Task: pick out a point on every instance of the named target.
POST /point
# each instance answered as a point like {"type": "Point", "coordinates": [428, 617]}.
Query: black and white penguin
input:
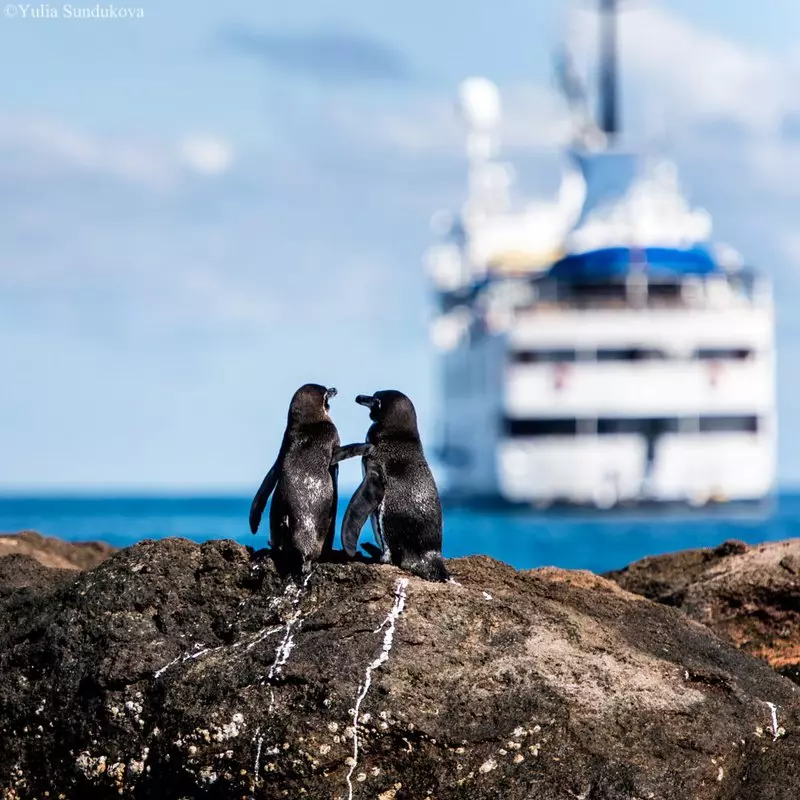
{"type": "Point", "coordinates": [398, 492]}
{"type": "Point", "coordinates": [304, 477]}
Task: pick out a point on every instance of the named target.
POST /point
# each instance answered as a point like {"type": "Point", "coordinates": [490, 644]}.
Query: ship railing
{"type": "Point", "coordinates": [638, 290]}
{"type": "Point", "coordinates": [741, 289]}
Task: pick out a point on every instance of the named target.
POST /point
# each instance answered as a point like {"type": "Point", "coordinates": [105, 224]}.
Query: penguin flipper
{"type": "Point", "coordinates": [350, 451]}
{"type": "Point", "coordinates": [365, 500]}
{"type": "Point", "coordinates": [327, 547]}
{"type": "Point", "coordinates": [262, 495]}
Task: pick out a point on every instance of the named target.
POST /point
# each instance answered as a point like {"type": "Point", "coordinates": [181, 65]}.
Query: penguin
{"type": "Point", "coordinates": [398, 491]}
{"type": "Point", "coordinates": [304, 477]}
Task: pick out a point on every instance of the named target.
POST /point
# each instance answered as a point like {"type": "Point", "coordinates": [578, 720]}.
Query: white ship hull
{"type": "Point", "coordinates": [588, 407]}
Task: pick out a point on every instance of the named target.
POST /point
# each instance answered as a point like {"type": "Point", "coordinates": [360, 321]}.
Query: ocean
{"type": "Point", "coordinates": [525, 539]}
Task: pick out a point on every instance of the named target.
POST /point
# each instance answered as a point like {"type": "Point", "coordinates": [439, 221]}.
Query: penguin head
{"type": "Point", "coordinates": [310, 403]}
{"type": "Point", "coordinates": [391, 410]}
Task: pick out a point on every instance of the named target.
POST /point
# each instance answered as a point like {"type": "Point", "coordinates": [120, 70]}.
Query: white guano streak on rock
{"type": "Point", "coordinates": [186, 657]}
{"type": "Point", "coordinates": [260, 636]}
{"type": "Point", "coordinates": [258, 750]}
{"type": "Point", "coordinates": [284, 649]}
{"type": "Point", "coordinates": [291, 626]}
{"type": "Point", "coordinates": [294, 622]}
{"type": "Point", "coordinates": [774, 712]}
{"type": "Point", "coordinates": [388, 640]}
{"type": "Point", "coordinates": [160, 672]}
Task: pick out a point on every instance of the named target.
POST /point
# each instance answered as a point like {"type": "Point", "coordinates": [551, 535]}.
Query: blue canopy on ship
{"type": "Point", "coordinates": [617, 262]}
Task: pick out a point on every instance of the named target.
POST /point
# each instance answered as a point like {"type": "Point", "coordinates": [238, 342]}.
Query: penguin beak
{"type": "Point", "coordinates": [372, 403]}
{"type": "Point", "coordinates": [330, 393]}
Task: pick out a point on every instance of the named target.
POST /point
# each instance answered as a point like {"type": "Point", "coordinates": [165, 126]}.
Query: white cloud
{"type": "Point", "coordinates": [694, 75]}
{"type": "Point", "coordinates": [206, 154]}
{"type": "Point", "coordinates": [705, 75]}
{"type": "Point", "coordinates": [426, 123]}
{"type": "Point", "coordinates": [52, 145]}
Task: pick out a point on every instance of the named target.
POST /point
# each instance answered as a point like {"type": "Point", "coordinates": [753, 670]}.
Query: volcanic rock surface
{"type": "Point", "coordinates": [178, 670]}
{"type": "Point", "coordinates": [52, 552]}
{"type": "Point", "coordinates": [749, 596]}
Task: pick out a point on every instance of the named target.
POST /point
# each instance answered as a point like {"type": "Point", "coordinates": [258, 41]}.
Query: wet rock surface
{"type": "Point", "coordinates": [749, 596]}
{"type": "Point", "coordinates": [52, 552]}
{"type": "Point", "coordinates": [182, 670]}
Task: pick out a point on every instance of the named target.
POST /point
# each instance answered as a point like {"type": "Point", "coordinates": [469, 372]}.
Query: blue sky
{"type": "Point", "coordinates": [206, 207]}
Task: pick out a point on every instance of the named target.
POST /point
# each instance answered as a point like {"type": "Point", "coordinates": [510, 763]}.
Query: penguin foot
{"type": "Point", "coordinates": [430, 567]}
{"type": "Point", "coordinates": [381, 556]}
{"type": "Point", "coordinates": [289, 562]}
{"type": "Point", "coordinates": [375, 552]}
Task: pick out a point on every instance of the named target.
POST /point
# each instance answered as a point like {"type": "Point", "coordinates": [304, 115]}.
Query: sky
{"type": "Point", "coordinates": [206, 205]}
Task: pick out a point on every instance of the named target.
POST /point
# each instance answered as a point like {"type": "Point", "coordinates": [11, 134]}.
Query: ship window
{"type": "Point", "coordinates": [630, 354]}
{"type": "Point", "coordinates": [647, 426]}
{"type": "Point", "coordinates": [664, 290]}
{"type": "Point", "coordinates": [597, 291]}
{"type": "Point", "coordinates": [543, 356]}
{"type": "Point", "coordinates": [747, 424]}
{"type": "Point", "coordinates": [722, 353]}
{"type": "Point", "coordinates": [541, 427]}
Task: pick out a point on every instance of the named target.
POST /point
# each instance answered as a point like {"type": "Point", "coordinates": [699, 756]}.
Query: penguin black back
{"type": "Point", "coordinates": [304, 479]}
{"type": "Point", "coordinates": [398, 491]}
{"type": "Point", "coordinates": [303, 507]}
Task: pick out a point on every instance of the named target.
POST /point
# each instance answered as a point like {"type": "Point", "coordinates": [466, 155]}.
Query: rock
{"type": "Point", "coordinates": [178, 670]}
{"type": "Point", "coordinates": [749, 596]}
{"type": "Point", "coordinates": [20, 572]}
{"type": "Point", "coordinates": [51, 552]}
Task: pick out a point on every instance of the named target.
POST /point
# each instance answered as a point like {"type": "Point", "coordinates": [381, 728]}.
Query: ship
{"type": "Point", "coordinates": [599, 350]}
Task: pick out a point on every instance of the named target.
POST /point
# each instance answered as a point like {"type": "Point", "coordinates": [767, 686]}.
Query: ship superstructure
{"type": "Point", "coordinates": [599, 349]}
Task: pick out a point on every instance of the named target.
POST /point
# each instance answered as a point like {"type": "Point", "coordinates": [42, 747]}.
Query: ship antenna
{"type": "Point", "coordinates": [609, 122]}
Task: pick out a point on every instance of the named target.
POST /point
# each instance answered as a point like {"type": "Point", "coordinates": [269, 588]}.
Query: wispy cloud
{"type": "Point", "coordinates": [42, 147]}
{"type": "Point", "coordinates": [695, 75]}
{"type": "Point", "coordinates": [325, 56]}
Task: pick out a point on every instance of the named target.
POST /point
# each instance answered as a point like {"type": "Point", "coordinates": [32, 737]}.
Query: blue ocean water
{"type": "Point", "coordinates": [524, 539]}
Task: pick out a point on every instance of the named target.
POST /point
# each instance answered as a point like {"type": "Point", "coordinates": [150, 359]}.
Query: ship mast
{"type": "Point", "coordinates": [595, 131]}
{"type": "Point", "coordinates": [609, 122]}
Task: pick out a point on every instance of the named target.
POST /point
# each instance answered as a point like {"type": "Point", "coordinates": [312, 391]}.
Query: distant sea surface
{"type": "Point", "coordinates": [525, 539]}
